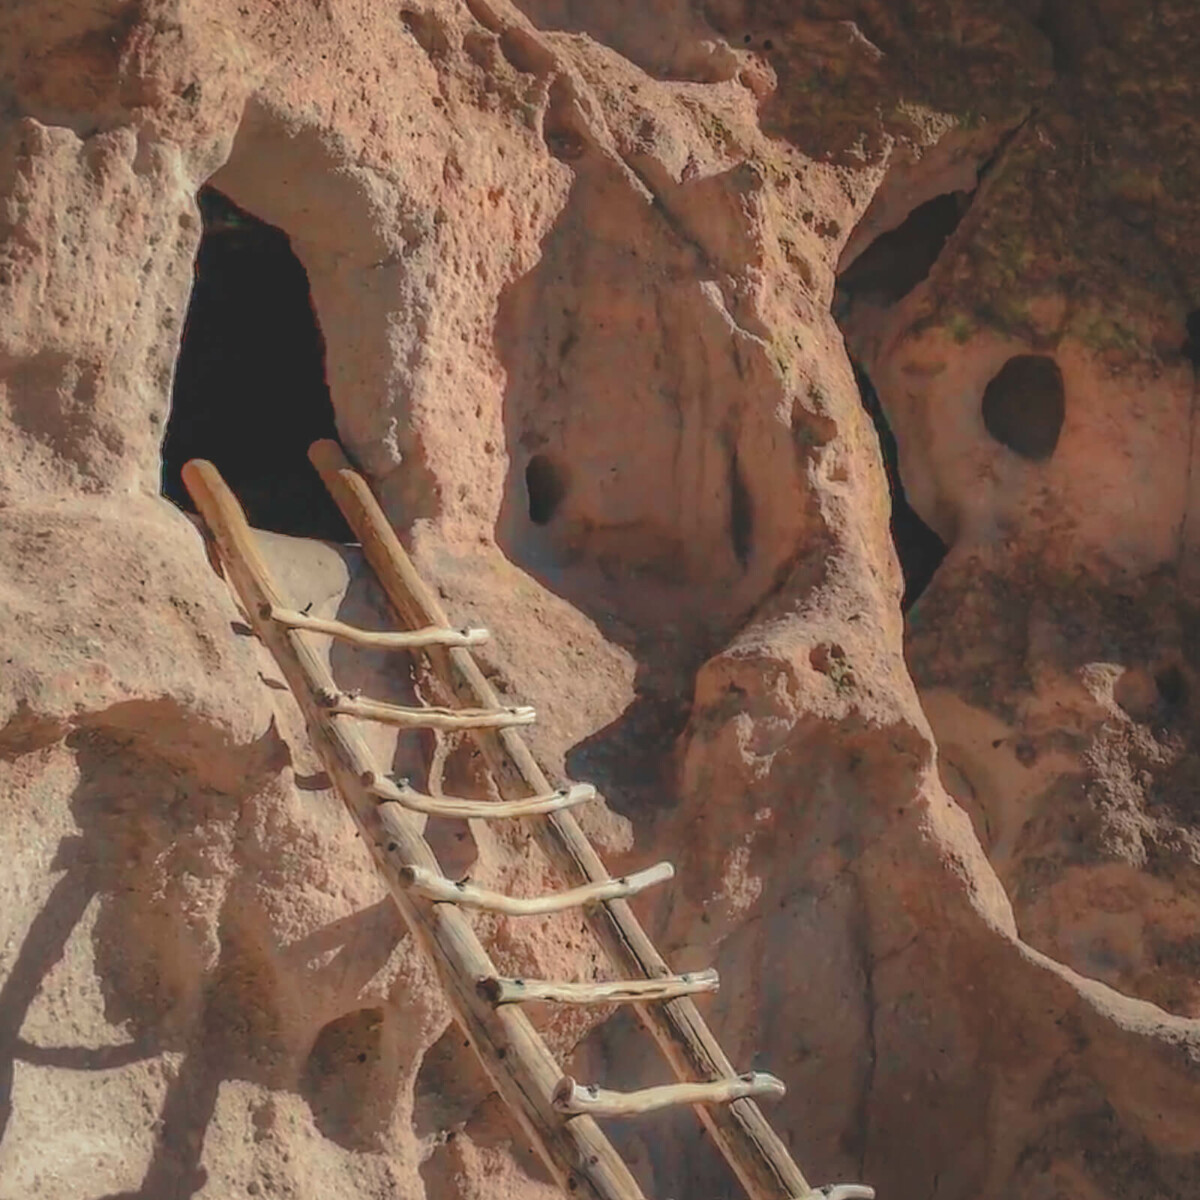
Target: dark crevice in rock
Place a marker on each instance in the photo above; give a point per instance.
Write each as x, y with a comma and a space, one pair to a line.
1024, 406
896, 261
545, 487
919, 549
741, 513
996, 158
1191, 347
250, 392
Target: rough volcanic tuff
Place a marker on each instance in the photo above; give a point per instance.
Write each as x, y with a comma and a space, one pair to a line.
577, 268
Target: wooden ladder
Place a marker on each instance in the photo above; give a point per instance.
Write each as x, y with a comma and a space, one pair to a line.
557, 1114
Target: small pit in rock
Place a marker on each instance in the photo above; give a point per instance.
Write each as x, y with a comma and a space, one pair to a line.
918, 548
545, 488
343, 1081
250, 392
1024, 406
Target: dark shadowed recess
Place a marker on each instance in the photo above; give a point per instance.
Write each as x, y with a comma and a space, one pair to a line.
1024, 406
250, 391
1191, 346
883, 274
896, 261
1072, 31
545, 487
918, 548
342, 1080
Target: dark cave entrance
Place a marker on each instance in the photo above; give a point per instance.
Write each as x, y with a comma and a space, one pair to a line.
546, 488
896, 261
882, 275
250, 392
919, 549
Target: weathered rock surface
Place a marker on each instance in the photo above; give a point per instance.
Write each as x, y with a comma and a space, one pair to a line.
583, 273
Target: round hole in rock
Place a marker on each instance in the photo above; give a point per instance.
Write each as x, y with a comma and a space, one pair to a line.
546, 488
1024, 406
250, 391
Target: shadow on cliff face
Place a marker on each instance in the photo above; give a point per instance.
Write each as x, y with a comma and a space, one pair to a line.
187, 962
250, 391
132, 813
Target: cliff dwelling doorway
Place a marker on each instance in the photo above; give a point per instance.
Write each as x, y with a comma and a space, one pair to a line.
250, 391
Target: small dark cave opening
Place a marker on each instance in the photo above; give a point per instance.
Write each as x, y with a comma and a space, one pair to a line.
1024, 406
919, 549
545, 488
896, 261
250, 392
883, 274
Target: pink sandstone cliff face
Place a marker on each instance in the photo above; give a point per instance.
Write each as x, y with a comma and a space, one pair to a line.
589, 277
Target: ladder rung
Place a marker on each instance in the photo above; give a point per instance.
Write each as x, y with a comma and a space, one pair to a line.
437, 887
484, 810
500, 990
383, 639
570, 1097
430, 717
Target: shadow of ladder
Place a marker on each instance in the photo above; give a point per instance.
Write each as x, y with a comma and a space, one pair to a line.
557, 1115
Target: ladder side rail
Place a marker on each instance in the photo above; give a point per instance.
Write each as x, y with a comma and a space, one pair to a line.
576, 1152
741, 1132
